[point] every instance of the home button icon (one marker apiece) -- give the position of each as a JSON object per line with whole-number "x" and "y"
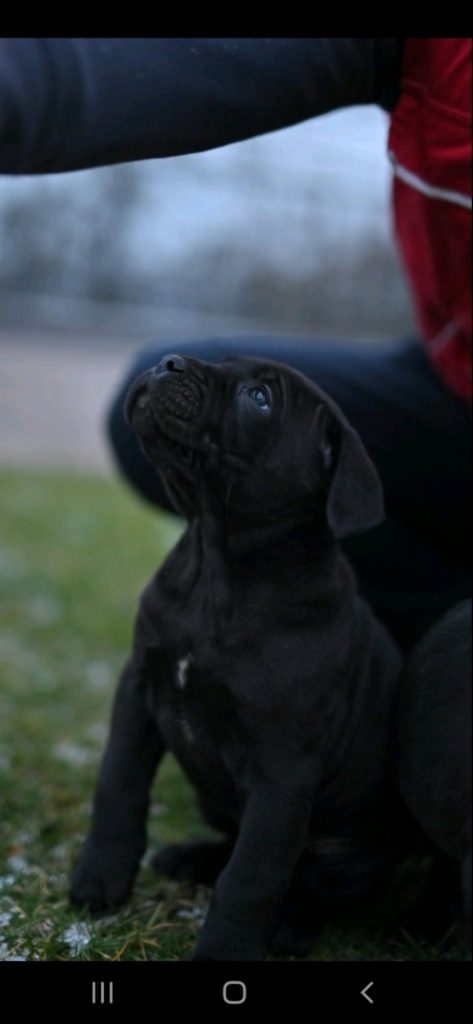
{"x": 234, "y": 992}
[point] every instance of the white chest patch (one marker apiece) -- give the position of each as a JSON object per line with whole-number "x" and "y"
{"x": 182, "y": 670}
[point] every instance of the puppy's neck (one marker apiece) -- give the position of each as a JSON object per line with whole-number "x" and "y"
{"x": 248, "y": 537}
{"x": 301, "y": 537}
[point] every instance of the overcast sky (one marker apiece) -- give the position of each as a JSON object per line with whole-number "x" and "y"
{"x": 331, "y": 172}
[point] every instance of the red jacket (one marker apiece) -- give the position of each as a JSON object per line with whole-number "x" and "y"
{"x": 430, "y": 149}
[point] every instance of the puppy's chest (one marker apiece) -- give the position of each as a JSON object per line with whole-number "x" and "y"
{"x": 195, "y": 710}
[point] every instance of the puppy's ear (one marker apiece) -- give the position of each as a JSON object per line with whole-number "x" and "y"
{"x": 354, "y": 492}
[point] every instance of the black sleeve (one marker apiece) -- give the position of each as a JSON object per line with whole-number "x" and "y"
{"x": 67, "y": 104}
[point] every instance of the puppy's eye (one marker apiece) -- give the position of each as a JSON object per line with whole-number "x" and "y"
{"x": 261, "y": 396}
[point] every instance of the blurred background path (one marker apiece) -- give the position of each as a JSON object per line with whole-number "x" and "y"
{"x": 288, "y": 233}
{"x": 53, "y": 395}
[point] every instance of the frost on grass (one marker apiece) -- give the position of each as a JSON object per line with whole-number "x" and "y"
{"x": 158, "y": 810}
{"x": 77, "y": 936}
{"x": 7, "y": 954}
{"x": 73, "y": 753}
{"x": 43, "y": 609}
{"x": 26, "y": 836}
{"x": 6, "y": 881}
{"x": 192, "y": 914}
{"x": 61, "y": 852}
{"x": 99, "y": 675}
{"x": 8, "y": 911}
{"x": 19, "y": 865}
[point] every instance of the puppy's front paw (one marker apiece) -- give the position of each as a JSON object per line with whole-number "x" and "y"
{"x": 103, "y": 875}
{"x": 197, "y": 956}
{"x": 300, "y": 924}
{"x": 230, "y": 948}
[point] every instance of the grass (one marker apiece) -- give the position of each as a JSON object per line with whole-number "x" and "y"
{"x": 75, "y": 551}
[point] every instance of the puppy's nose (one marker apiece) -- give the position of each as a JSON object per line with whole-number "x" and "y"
{"x": 170, "y": 364}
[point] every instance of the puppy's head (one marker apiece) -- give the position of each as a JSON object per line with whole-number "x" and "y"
{"x": 268, "y": 443}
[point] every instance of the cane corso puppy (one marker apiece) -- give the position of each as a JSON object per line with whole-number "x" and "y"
{"x": 255, "y": 661}
{"x": 435, "y": 759}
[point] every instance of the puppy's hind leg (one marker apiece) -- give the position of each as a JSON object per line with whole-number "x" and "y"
{"x": 438, "y": 904}
{"x": 202, "y": 861}
{"x": 199, "y": 863}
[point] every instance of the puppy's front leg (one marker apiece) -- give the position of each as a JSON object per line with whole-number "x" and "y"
{"x": 249, "y": 891}
{"x": 107, "y": 865}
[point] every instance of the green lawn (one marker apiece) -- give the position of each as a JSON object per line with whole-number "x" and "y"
{"x": 75, "y": 551}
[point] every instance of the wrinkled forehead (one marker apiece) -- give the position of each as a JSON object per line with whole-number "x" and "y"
{"x": 292, "y": 382}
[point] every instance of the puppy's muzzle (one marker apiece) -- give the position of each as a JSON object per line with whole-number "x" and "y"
{"x": 170, "y": 389}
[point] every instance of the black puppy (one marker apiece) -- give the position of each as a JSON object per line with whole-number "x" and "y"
{"x": 255, "y": 661}
{"x": 434, "y": 752}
